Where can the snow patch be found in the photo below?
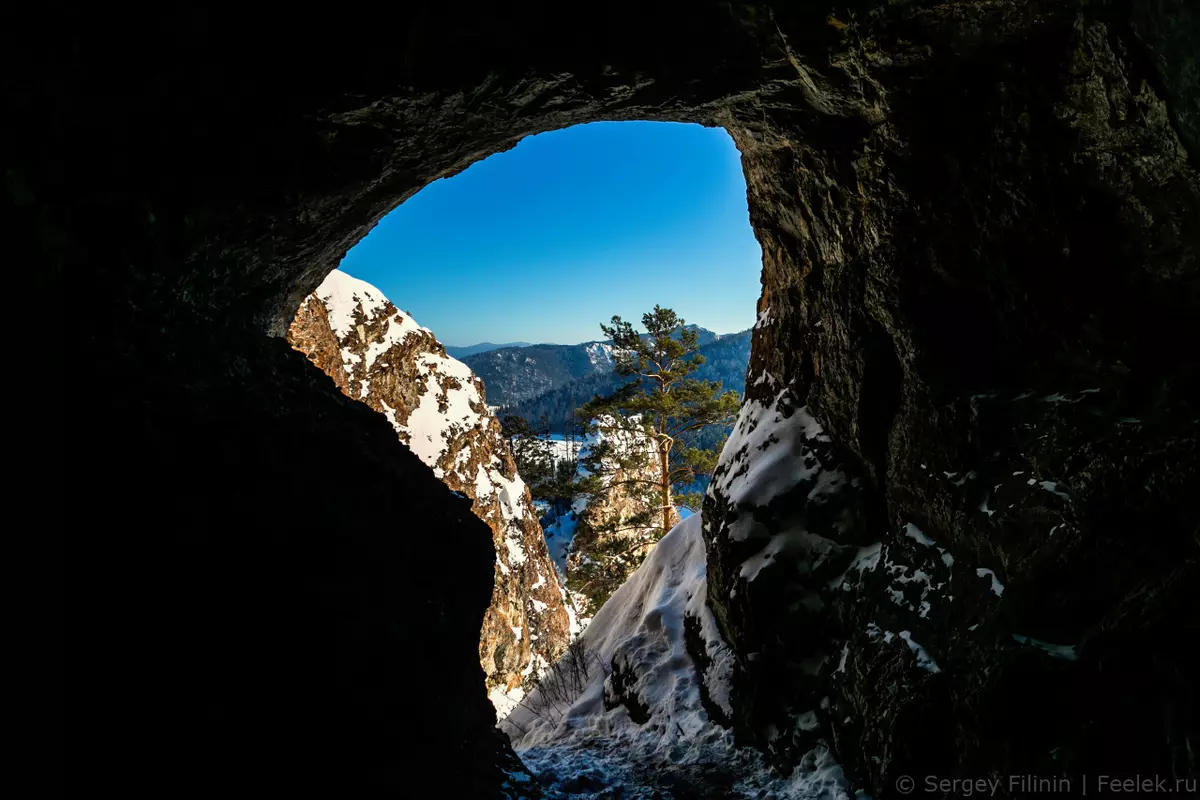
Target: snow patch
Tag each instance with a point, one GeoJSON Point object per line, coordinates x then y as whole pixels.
{"type": "Point", "coordinates": [1063, 651]}
{"type": "Point", "coordinates": [923, 659]}
{"type": "Point", "coordinates": [866, 560]}
{"type": "Point", "coordinates": [997, 586]}
{"type": "Point", "coordinates": [1052, 488]}
{"type": "Point", "coordinates": [916, 534]}
{"type": "Point", "coordinates": [769, 454]}
{"type": "Point", "coordinates": [600, 355]}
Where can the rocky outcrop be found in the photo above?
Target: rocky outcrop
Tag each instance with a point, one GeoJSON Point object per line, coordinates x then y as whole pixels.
{"type": "Point", "coordinates": [380, 356]}
{"type": "Point", "coordinates": [972, 214]}
{"type": "Point", "coordinates": [610, 540]}
{"type": "Point", "coordinates": [311, 334]}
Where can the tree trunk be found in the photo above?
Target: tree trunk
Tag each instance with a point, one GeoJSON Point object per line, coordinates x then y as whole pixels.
{"type": "Point", "coordinates": [664, 451]}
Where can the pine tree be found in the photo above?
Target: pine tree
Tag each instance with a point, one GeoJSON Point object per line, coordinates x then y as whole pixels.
{"type": "Point", "coordinates": [645, 429]}
{"type": "Point", "coordinates": [549, 478]}
{"type": "Point", "coordinates": [531, 450]}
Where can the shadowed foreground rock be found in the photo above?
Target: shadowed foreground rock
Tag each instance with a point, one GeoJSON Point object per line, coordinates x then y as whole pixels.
{"type": "Point", "coordinates": [973, 214]}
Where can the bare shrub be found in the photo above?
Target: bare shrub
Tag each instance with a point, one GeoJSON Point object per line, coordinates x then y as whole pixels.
{"type": "Point", "coordinates": [549, 695]}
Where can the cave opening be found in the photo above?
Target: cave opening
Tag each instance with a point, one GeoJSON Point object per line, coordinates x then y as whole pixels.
{"type": "Point", "coordinates": [998, 197]}
{"type": "Point", "coordinates": [521, 259]}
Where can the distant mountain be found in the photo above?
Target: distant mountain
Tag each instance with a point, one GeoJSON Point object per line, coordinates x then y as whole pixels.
{"type": "Point", "coordinates": [471, 349]}
{"type": "Point", "coordinates": [726, 359]}
{"type": "Point", "coordinates": [514, 374]}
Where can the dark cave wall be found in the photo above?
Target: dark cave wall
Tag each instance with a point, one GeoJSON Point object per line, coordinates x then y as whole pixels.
{"type": "Point", "coordinates": [262, 149]}
{"type": "Point", "coordinates": [255, 613]}
{"type": "Point", "coordinates": [267, 618]}
{"type": "Point", "coordinates": [990, 288]}
{"type": "Point", "coordinates": [958, 203]}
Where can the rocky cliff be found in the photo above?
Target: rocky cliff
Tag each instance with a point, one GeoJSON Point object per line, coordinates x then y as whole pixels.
{"type": "Point", "coordinates": [378, 355]}
{"type": "Point", "coordinates": [611, 538]}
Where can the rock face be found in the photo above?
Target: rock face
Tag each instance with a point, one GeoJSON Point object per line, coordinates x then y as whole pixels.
{"type": "Point", "coordinates": [377, 354]}
{"type": "Point", "coordinates": [955, 518]}
{"type": "Point", "coordinates": [972, 214]}
{"type": "Point", "coordinates": [606, 548]}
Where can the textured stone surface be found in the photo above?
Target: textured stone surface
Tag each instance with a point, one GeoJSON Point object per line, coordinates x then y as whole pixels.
{"type": "Point", "coordinates": [981, 298]}
{"type": "Point", "coordinates": [311, 334]}
{"type": "Point", "coordinates": [395, 367]}
{"type": "Point", "coordinates": [604, 529]}
{"type": "Point", "coordinates": [955, 199]}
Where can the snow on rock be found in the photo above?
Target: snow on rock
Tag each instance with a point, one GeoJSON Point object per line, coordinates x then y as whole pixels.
{"type": "Point", "coordinates": [774, 480]}
{"type": "Point", "coordinates": [380, 356]}
{"type": "Point", "coordinates": [347, 297]}
{"type": "Point", "coordinates": [639, 720]}
{"type": "Point", "coordinates": [1063, 651]}
{"type": "Point", "coordinates": [772, 455]}
{"type": "Point", "coordinates": [600, 354]}
{"type": "Point", "coordinates": [604, 523]}
{"type": "Point", "coordinates": [783, 522]}
{"type": "Point", "coordinates": [923, 659]}
{"type": "Point", "coordinates": [997, 586]}
{"type": "Point", "coordinates": [782, 460]}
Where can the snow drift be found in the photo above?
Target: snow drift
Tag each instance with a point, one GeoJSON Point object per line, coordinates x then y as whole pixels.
{"type": "Point", "coordinates": [642, 666]}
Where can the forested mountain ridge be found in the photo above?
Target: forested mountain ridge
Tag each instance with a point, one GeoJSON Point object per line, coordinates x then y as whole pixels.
{"type": "Point", "coordinates": [726, 359]}
{"type": "Point", "coordinates": [516, 374]}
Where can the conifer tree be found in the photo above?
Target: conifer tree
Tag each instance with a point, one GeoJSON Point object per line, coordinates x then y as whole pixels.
{"type": "Point", "coordinates": [646, 428]}
{"type": "Point", "coordinates": [549, 477]}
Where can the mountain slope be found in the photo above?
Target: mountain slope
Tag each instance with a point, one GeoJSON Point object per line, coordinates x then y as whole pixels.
{"type": "Point", "coordinates": [726, 360]}
{"type": "Point", "coordinates": [380, 356]}
{"type": "Point", "coordinates": [513, 374]}
{"type": "Point", "coordinates": [516, 373]}
{"type": "Point", "coordinates": [483, 347]}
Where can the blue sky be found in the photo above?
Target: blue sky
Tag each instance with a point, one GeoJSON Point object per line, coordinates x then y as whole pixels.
{"type": "Point", "coordinates": [545, 241]}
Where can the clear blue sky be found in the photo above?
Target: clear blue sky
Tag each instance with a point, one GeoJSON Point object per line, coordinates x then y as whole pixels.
{"type": "Point", "coordinates": [545, 241]}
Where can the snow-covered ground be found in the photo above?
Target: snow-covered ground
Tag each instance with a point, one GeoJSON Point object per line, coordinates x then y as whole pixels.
{"type": "Point", "coordinates": [579, 749]}
{"type": "Point", "coordinates": [562, 448]}
{"type": "Point", "coordinates": [560, 533]}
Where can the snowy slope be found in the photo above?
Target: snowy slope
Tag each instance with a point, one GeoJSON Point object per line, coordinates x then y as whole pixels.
{"type": "Point", "coordinates": [430, 428]}
{"type": "Point", "coordinates": [584, 748]}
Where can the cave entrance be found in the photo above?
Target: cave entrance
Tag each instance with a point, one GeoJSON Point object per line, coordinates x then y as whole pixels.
{"type": "Point", "coordinates": [471, 318]}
